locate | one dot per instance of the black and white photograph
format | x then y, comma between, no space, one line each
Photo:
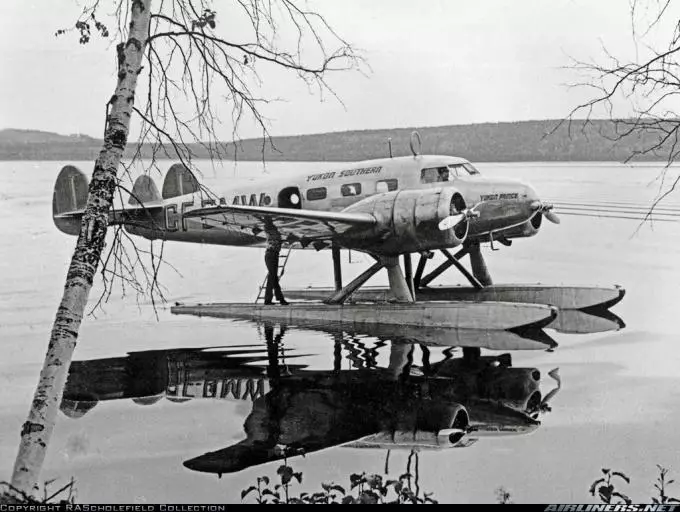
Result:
339,252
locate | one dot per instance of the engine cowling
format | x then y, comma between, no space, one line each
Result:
529,228
437,426
408,220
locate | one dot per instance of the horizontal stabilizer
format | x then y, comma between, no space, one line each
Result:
69,199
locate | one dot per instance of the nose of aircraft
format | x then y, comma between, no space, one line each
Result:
538,205
530,193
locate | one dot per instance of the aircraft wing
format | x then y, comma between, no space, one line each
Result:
292,223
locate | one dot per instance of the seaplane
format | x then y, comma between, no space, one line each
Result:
390,208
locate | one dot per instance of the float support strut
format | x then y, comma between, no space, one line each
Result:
341,295
479,268
473,280
398,285
337,268
419,271
443,267
408,270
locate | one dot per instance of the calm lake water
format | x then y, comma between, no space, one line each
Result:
617,408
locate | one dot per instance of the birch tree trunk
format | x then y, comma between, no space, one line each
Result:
37,430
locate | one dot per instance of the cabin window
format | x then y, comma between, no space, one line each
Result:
351,189
386,186
434,174
316,194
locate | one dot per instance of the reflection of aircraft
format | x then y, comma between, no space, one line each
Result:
386,207
587,321
237,373
444,404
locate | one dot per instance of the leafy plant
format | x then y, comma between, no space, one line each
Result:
65,495
503,496
606,489
364,488
660,486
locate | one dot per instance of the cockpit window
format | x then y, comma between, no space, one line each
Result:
446,173
435,174
471,169
462,169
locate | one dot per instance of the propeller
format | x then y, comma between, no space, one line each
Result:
546,210
453,220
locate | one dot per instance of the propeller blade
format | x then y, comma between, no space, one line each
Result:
451,221
551,216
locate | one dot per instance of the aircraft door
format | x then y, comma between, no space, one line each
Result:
290,197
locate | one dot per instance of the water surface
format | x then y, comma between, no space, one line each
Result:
617,406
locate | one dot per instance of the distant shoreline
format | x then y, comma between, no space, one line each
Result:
525,141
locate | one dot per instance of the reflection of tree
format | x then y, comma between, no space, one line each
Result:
192,70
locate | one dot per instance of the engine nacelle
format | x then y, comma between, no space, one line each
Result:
408,221
489,418
529,228
436,426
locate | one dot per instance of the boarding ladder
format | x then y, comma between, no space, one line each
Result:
283,259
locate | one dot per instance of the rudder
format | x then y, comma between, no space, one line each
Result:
179,181
69,199
145,192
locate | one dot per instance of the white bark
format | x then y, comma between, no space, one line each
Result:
37,429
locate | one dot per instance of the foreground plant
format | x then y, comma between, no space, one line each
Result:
605,487
65,495
364,489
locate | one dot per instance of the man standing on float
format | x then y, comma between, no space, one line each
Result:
271,260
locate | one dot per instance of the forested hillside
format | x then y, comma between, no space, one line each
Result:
487,142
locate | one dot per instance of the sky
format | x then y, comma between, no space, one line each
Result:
429,62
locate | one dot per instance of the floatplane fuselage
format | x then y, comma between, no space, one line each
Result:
407,196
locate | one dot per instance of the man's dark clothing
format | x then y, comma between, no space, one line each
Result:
271,260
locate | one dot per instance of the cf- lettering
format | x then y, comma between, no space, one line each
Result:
173,219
